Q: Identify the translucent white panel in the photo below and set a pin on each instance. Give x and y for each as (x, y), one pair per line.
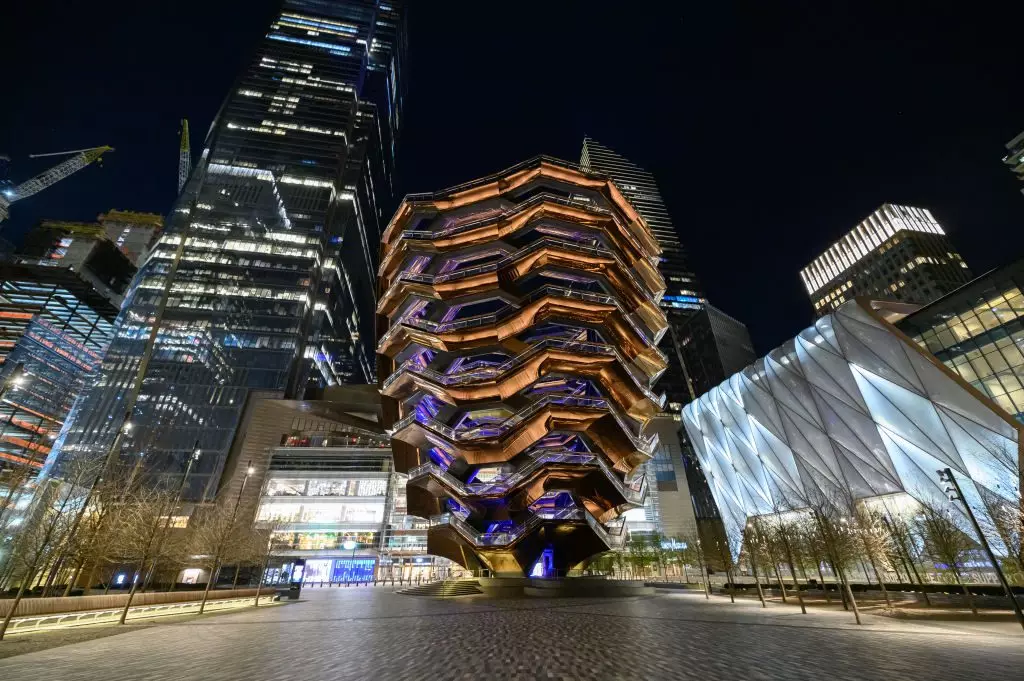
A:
(814, 361)
(789, 386)
(908, 415)
(777, 456)
(823, 327)
(979, 463)
(764, 409)
(947, 392)
(853, 447)
(821, 459)
(858, 354)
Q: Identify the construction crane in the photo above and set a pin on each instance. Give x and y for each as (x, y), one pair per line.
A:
(81, 158)
(184, 156)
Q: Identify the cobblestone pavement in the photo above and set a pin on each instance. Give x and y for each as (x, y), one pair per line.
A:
(372, 633)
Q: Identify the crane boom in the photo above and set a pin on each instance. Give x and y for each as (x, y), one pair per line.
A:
(184, 156)
(81, 158)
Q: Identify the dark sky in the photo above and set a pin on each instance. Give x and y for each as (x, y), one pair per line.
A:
(773, 128)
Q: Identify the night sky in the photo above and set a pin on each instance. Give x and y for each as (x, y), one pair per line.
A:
(772, 128)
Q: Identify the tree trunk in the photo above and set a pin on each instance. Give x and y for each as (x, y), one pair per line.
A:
(259, 584)
(821, 576)
(234, 582)
(732, 586)
(967, 592)
(796, 584)
(17, 599)
(209, 583)
(782, 585)
(757, 580)
(131, 596)
(849, 595)
(73, 578)
(881, 582)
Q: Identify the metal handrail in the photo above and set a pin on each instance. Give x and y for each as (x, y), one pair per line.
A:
(633, 494)
(493, 372)
(440, 277)
(637, 231)
(494, 317)
(505, 538)
(642, 444)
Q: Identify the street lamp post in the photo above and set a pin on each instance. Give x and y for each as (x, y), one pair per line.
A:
(956, 494)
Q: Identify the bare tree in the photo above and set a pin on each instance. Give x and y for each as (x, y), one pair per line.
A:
(837, 538)
(783, 537)
(139, 520)
(214, 534)
(264, 542)
(38, 540)
(877, 543)
(1008, 522)
(754, 547)
(906, 545)
(946, 543)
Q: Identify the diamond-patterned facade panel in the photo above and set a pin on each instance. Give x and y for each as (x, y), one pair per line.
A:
(850, 406)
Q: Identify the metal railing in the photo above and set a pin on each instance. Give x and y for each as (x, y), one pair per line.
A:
(506, 537)
(642, 444)
(633, 493)
(637, 231)
(494, 372)
(650, 337)
(613, 538)
(509, 258)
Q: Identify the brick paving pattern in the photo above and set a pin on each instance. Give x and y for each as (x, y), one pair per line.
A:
(373, 633)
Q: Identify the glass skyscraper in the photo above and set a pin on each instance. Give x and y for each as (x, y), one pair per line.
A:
(683, 295)
(263, 280)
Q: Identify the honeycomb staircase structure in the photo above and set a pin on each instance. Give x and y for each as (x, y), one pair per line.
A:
(518, 322)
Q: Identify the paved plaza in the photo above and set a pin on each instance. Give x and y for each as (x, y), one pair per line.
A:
(374, 633)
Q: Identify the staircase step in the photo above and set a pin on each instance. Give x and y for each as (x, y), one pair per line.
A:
(467, 587)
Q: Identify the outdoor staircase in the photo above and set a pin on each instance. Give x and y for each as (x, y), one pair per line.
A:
(446, 589)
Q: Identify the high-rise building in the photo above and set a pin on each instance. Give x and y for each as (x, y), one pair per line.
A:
(55, 324)
(683, 294)
(85, 248)
(520, 328)
(713, 346)
(263, 279)
(134, 233)
(978, 332)
(1015, 156)
(898, 252)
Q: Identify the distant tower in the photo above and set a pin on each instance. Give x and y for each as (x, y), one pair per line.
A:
(184, 156)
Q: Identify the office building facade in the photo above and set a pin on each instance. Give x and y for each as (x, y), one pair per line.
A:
(713, 346)
(853, 408)
(897, 253)
(263, 278)
(56, 326)
(322, 474)
(978, 332)
(519, 330)
(683, 294)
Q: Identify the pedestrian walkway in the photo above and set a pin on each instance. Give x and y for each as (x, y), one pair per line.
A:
(375, 633)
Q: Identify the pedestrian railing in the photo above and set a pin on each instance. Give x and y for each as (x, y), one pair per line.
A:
(69, 619)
